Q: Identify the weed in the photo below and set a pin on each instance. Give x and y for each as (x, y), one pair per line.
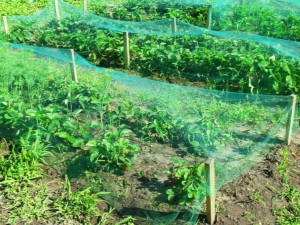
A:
(256, 196)
(289, 214)
(80, 205)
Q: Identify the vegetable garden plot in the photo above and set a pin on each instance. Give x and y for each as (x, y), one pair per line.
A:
(278, 19)
(141, 11)
(273, 18)
(182, 53)
(143, 141)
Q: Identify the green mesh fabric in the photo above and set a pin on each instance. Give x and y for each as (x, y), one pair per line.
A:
(192, 53)
(235, 129)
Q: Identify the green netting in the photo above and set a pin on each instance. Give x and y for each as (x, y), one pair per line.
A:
(273, 18)
(134, 137)
(226, 60)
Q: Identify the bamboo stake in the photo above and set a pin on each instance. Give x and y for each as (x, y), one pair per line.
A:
(73, 66)
(126, 48)
(209, 17)
(290, 121)
(110, 14)
(174, 25)
(210, 191)
(84, 5)
(57, 9)
(5, 25)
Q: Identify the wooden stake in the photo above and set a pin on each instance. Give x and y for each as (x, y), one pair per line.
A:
(6, 29)
(290, 121)
(57, 9)
(84, 5)
(210, 191)
(73, 66)
(174, 25)
(110, 14)
(126, 48)
(209, 17)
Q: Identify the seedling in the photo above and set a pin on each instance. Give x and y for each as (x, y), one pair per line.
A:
(188, 182)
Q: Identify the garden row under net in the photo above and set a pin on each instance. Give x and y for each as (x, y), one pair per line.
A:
(141, 140)
(272, 18)
(169, 49)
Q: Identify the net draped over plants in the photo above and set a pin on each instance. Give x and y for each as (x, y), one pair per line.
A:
(225, 60)
(275, 18)
(130, 135)
(140, 139)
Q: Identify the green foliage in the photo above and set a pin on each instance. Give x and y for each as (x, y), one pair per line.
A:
(262, 21)
(24, 161)
(229, 65)
(30, 198)
(140, 11)
(224, 64)
(99, 118)
(80, 205)
(290, 213)
(256, 196)
(25, 7)
(188, 182)
(97, 115)
(114, 150)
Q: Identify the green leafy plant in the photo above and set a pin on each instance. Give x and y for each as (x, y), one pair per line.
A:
(24, 161)
(260, 20)
(256, 196)
(188, 182)
(114, 150)
(80, 205)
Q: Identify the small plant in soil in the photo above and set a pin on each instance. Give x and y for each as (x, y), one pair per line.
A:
(187, 182)
(114, 150)
(256, 196)
(80, 205)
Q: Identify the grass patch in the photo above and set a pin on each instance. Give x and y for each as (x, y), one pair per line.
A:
(289, 213)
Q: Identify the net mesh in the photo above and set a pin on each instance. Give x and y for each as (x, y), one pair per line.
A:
(142, 140)
(168, 121)
(266, 65)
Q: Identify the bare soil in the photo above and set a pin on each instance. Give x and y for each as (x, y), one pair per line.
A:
(141, 191)
(236, 204)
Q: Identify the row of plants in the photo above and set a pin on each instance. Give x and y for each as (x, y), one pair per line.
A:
(253, 18)
(100, 119)
(204, 61)
(260, 20)
(248, 18)
(24, 7)
(141, 11)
